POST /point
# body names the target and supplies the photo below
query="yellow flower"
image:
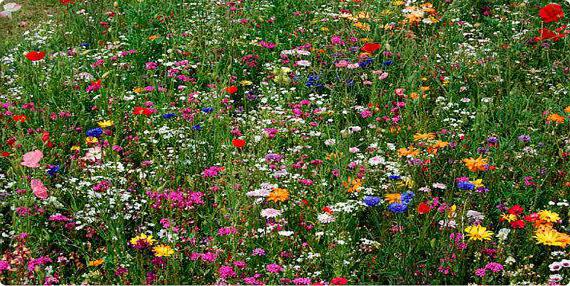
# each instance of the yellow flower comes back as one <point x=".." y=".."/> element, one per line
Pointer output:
<point x="393" y="198"/>
<point x="424" y="136"/>
<point x="478" y="183"/>
<point x="105" y="123"/>
<point x="278" y="195"/>
<point x="475" y="165"/>
<point x="451" y="211"/>
<point x="552" y="237"/>
<point x="138" y="90"/>
<point x="245" y="82"/>
<point x="75" y="148"/>
<point x="549" y="216"/>
<point x="509" y="217"/>
<point x="142" y="239"/>
<point x="96" y="263"/>
<point x="478" y="232"/>
<point x="91" y="140"/>
<point x="162" y="250"/>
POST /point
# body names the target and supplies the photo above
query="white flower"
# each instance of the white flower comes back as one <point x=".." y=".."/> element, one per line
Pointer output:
<point x="503" y="233"/>
<point x="353" y="150"/>
<point x="325" y="218"/>
<point x="303" y="63"/>
<point x="439" y="186"/>
<point x="376" y="160"/>
<point x="330" y="142"/>
<point x="555" y="266"/>
<point x="285" y="233"/>
<point x="10" y="8"/>
<point x="270" y="213"/>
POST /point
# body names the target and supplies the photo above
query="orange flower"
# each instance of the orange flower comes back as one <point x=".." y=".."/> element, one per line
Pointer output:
<point x="393" y="198"/>
<point x="96" y="262"/>
<point x="352" y="185"/>
<point x="278" y="195"/>
<point x="475" y="165"/>
<point x="424" y="136"/>
<point x="410" y="151"/>
<point x="556" y="118"/>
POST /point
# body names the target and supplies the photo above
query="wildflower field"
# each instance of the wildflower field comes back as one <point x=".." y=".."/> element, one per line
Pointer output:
<point x="317" y="142"/>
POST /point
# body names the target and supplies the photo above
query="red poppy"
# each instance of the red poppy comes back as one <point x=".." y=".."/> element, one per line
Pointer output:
<point x="19" y="118"/>
<point x="328" y="210"/>
<point x="238" y="143"/>
<point x="231" y="89"/>
<point x="66" y="2"/>
<point x="5" y="154"/>
<point x="142" y="111"/>
<point x="370" y="47"/>
<point x="423" y="208"/>
<point x="35" y="55"/>
<point x="339" y="281"/>
<point x="551" y="13"/>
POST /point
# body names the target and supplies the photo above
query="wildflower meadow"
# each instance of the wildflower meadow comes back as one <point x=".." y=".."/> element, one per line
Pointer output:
<point x="281" y="142"/>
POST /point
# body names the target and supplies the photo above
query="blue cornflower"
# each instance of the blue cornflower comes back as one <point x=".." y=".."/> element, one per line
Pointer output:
<point x="466" y="186"/>
<point x="394" y="177"/>
<point x="197" y="127"/>
<point x="398" y="208"/>
<point x="95" y="132"/>
<point x="52" y="170"/>
<point x="388" y="63"/>
<point x="371" y="201"/>
<point x="365" y="63"/>
<point x="407" y="197"/>
<point x="207" y="109"/>
<point x="168" y="115"/>
<point x="313" y="81"/>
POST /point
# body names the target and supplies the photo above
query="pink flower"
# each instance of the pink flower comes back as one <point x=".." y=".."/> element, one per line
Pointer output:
<point x="32" y="159"/>
<point x="273" y="268"/>
<point x="40" y="191"/>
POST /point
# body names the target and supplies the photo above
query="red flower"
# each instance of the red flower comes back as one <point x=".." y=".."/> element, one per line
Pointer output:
<point x="339" y="281"/>
<point x="532" y="217"/>
<point x="142" y="111"/>
<point x="423" y="208"/>
<point x="5" y="154"/>
<point x="238" y="143"/>
<point x="370" y="47"/>
<point x="328" y="210"/>
<point x="19" y="118"/>
<point x="546" y="34"/>
<point x="517" y="224"/>
<point x="516" y="210"/>
<point x="35" y="56"/>
<point x="66" y="2"/>
<point x="551" y="13"/>
<point x="231" y="89"/>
